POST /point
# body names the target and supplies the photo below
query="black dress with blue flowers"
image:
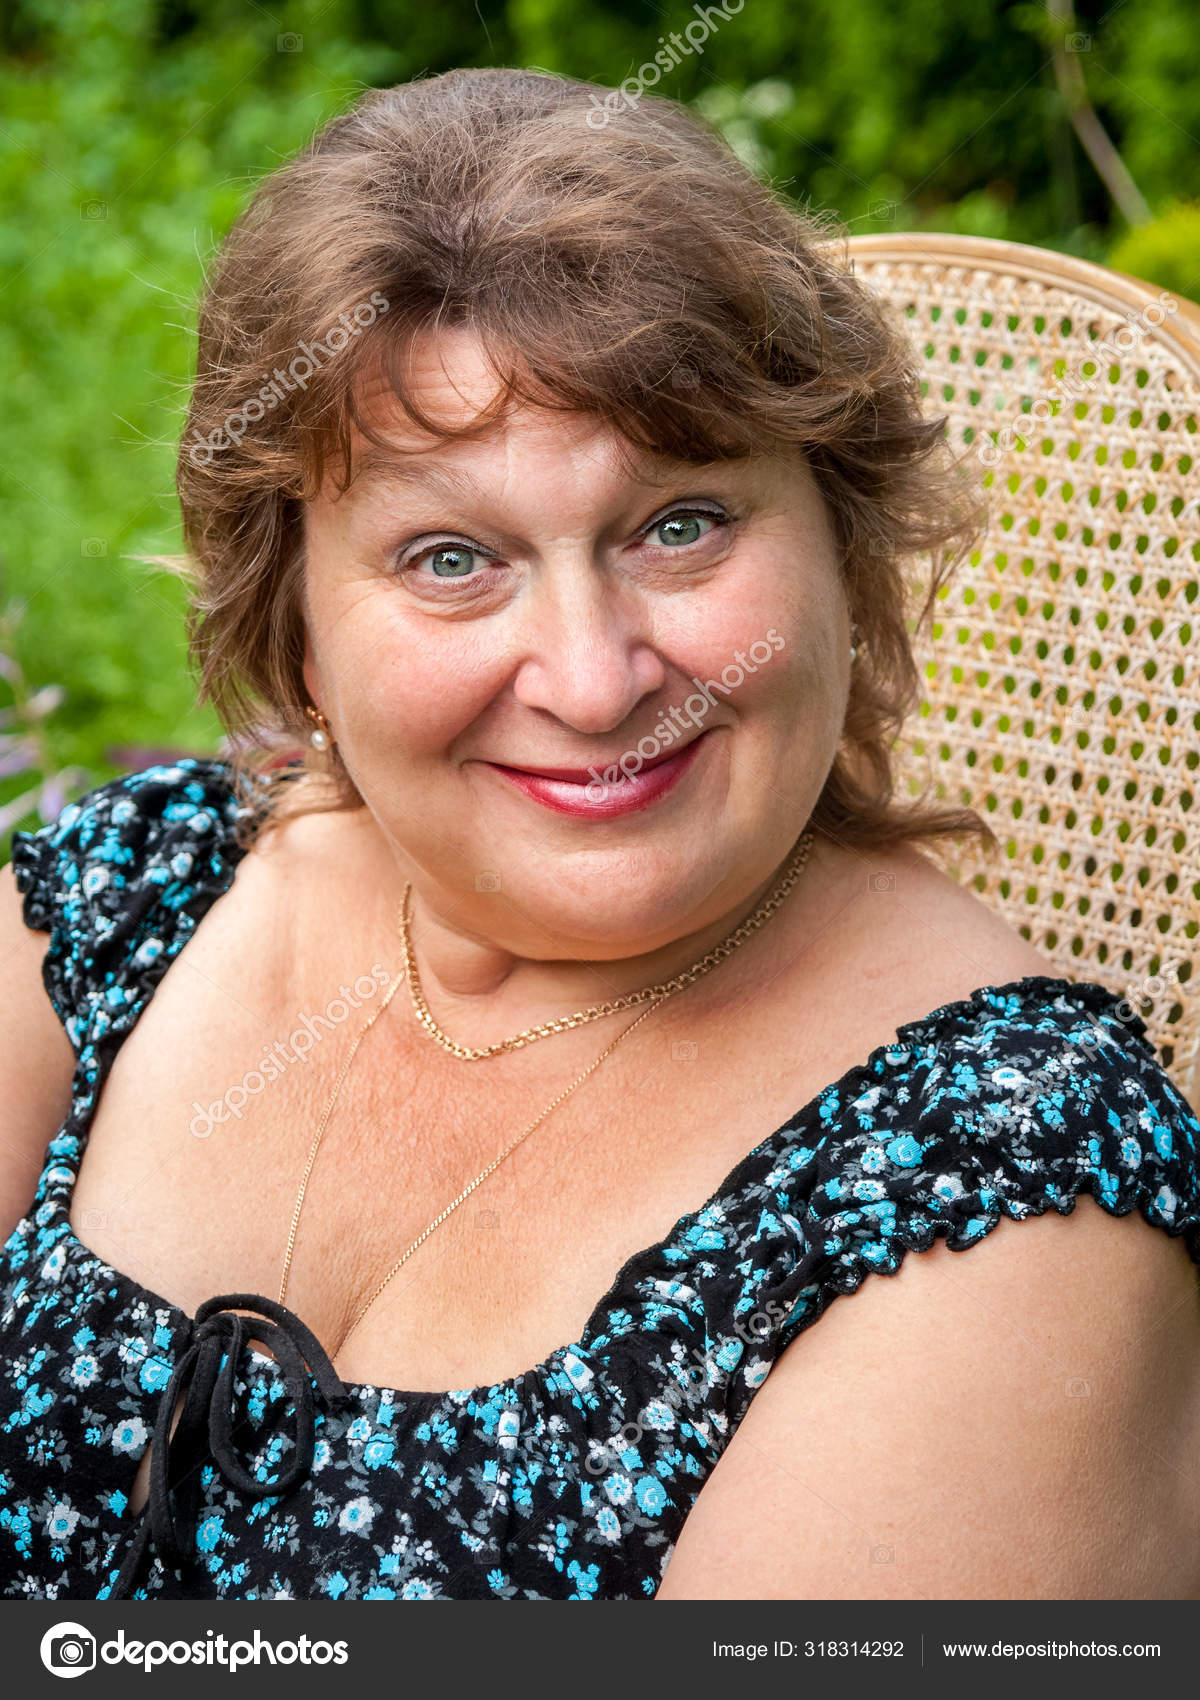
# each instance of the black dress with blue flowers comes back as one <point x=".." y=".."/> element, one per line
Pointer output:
<point x="573" y="1479"/>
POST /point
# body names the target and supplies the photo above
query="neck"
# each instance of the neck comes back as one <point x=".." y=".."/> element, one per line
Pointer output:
<point x="482" y="991"/>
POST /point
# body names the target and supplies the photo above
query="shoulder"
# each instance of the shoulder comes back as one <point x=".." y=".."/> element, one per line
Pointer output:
<point x="912" y="955"/>
<point x="36" y="1063"/>
<point x="1040" y="1381"/>
<point x="1008" y="1103"/>
<point x="116" y="873"/>
<point x="998" y="1094"/>
<point x="928" y="932"/>
<point x="883" y="938"/>
<point x="994" y="1425"/>
<point x="303" y="846"/>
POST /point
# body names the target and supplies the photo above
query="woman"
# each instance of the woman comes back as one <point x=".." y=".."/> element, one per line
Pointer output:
<point x="583" y="999"/>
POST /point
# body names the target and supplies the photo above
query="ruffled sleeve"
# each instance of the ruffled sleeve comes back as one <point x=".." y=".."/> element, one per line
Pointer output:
<point x="1012" y="1109"/>
<point x="1009" y="1103"/>
<point x="118" y="880"/>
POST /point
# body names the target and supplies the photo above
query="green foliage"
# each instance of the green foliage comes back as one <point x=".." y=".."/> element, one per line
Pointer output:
<point x="1166" y="251"/>
<point x="134" y="130"/>
<point x="126" y="159"/>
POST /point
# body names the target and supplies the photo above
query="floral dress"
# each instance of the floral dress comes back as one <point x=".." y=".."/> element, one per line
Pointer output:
<point x="573" y="1479"/>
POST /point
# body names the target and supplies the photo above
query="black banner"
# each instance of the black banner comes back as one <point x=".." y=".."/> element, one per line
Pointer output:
<point x="707" y="1648"/>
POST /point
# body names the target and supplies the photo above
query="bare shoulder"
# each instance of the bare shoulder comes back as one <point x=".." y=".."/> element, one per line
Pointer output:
<point x="922" y="937"/>
<point x="306" y="839"/>
<point x="36" y="1043"/>
<point x="304" y="847"/>
<point x="310" y="889"/>
<point x="938" y="907"/>
<point x="1015" y="1420"/>
<point x="37" y="1062"/>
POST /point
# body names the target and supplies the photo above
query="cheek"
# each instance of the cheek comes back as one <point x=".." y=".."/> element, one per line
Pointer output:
<point x="774" y="623"/>
<point x="397" y="689"/>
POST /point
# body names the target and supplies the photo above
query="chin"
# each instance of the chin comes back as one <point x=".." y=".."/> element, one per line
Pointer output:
<point x="610" y="910"/>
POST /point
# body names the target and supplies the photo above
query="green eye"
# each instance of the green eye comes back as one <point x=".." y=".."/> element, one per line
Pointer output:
<point x="452" y="561"/>
<point x="681" y="529"/>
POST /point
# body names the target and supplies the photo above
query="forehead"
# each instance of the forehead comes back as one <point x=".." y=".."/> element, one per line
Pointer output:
<point x="450" y="378"/>
<point x="447" y="374"/>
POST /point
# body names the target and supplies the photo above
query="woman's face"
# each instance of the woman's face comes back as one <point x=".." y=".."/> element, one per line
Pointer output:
<point x="592" y="712"/>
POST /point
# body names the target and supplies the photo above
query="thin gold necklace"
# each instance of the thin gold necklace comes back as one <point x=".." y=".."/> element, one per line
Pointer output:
<point x="561" y="1024"/>
<point x="659" y="994"/>
<point x="466" y="1191"/>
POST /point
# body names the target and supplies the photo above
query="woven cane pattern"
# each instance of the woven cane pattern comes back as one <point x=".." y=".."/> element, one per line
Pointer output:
<point x="1061" y="688"/>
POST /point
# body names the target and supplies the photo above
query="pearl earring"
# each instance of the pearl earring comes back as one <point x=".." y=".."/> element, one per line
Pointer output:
<point x="319" y="738"/>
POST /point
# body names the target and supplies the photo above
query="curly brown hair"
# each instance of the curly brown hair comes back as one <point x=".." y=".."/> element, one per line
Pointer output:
<point x="633" y="269"/>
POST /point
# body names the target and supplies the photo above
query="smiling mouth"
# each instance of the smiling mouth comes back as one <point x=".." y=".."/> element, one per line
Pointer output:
<point x="582" y="775"/>
<point x="588" y="793"/>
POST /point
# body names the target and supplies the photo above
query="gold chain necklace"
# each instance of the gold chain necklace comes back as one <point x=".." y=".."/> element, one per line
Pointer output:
<point x="659" y="994"/>
<point x="792" y="871"/>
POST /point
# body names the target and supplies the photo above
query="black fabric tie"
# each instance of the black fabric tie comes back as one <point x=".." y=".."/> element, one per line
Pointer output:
<point x="206" y="1422"/>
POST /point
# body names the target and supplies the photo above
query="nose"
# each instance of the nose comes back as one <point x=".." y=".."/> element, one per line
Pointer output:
<point x="588" y="651"/>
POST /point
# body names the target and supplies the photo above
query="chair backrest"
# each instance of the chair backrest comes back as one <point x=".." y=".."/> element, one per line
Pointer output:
<point x="1061" y="679"/>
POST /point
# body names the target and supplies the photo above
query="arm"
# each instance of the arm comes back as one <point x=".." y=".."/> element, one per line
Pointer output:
<point x="1018" y="1420"/>
<point x="36" y="1060"/>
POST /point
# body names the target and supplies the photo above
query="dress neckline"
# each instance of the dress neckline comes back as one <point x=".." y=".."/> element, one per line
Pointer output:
<point x="873" y="1070"/>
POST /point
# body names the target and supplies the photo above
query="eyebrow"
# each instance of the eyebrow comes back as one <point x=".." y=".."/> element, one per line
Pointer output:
<point x="381" y="466"/>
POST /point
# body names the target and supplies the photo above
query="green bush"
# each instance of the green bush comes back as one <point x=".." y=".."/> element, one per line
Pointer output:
<point x="1166" y="251"/>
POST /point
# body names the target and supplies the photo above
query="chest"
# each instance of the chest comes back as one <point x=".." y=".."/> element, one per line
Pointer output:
<point x="207" y="1125"/>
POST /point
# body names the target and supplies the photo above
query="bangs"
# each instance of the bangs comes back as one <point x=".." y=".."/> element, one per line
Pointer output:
<point x="671" y="388"/>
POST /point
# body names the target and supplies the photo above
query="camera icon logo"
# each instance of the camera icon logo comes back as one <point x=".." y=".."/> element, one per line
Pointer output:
<point x="68" y="1649"/>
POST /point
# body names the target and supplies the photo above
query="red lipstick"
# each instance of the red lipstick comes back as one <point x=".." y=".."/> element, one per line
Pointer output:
<point x="576" y="791"/>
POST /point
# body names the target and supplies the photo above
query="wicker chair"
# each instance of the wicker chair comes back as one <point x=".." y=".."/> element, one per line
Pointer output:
<point x="1061" y="685"/>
